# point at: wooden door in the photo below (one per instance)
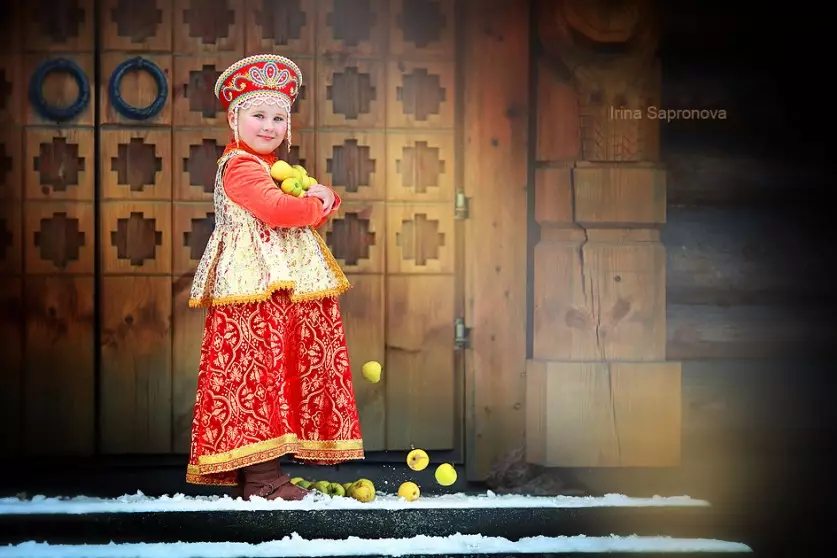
(107, 213)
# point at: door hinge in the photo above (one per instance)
(461, 334)
(461, 205)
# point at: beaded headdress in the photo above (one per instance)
(256, 80)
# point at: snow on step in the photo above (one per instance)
(294, 546)
(132, 503)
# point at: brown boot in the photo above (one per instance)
(267, 481)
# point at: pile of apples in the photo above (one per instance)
(362, 490)
(292, 179)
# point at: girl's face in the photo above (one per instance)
(262, 127)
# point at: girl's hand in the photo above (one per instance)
(324, 194)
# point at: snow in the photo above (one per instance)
(294, 546)
(133, 503)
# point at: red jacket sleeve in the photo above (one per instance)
(247, 184)
(334, 208)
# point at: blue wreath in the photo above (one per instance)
(119, 104)
(36, 86)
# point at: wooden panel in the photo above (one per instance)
(420, 358)
(285, 28)
(59, 163)
(351, 27)
(421, 167)
(193, 225)
(60, 238)
(11, 238)
(420, 239)
(209, 27)
(554, 192)
(422, 29)
(136, 238)
(187, 334)
(12, 27)
(11, 162)
(136, 26)
(138, 89)
(630, 412)
(351, 94)
(136, 164)
(749, 332)
(58, 26)
(195, 162)
(11, 355)
(303, 113)
(362, 308)
(304, 152)
(420, 94)
(193, 92)
(495, 174)
(12, 80)
(60, 88)
(559, 122)
(356, 236)
(59, 359)
(353, 163)
(619, 195)
(136, 378)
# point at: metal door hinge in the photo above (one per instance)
(461, 334)
(461, 205)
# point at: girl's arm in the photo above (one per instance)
(247, 184)
(332, 211)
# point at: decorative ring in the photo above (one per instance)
(119, 104)
(36, 94)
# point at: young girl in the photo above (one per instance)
(274, 374)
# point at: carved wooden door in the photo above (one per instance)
(106, 211)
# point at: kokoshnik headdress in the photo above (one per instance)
(263, 79)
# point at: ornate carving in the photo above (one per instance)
(136, 164)
(421, 95)
(352, 21)
(59, 19)
(420, 239)
(200, 91)
(349, 238)
(202, 164)
(136, 238)
(197, 238)
(420, 167)
(350, 165)
(282, 20)
(5, 90)
(293, 157)
(606, 48)
(6, 238)
(137, 21)
(59, 240)
(422, 22)
(58, 165)
(209, 20)
(352, 93)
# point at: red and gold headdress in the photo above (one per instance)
(261, 79)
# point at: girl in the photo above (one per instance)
(274, 374)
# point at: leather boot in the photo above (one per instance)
(267, 481)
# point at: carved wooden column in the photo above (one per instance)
(599, 389)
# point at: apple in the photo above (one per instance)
(336, 489)
(363, 490)
(417, 460)
(296, 480)
(445, 474)
(372, 371)
(321, 486)
(281, 170)
(409, 491)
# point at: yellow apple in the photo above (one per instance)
(409, 491)
(308, 181)
(417, 460)
(289, 185)
(445, 474)
(347, 488)
(363, 491)
(296, 480)
(301, 172)
(281, 170)
(372, 371)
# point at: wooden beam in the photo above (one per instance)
(496, 67)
